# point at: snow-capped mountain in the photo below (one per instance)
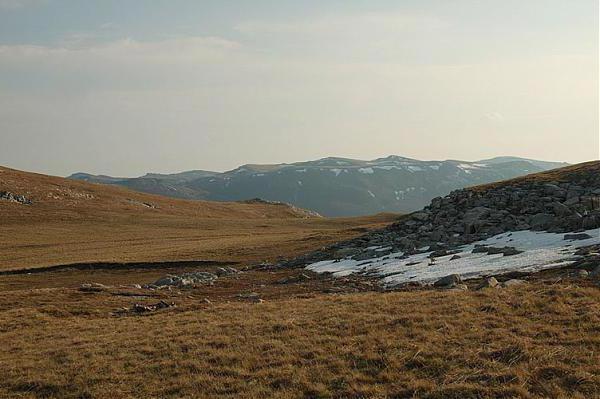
(335, 186)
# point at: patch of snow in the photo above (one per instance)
(367, 171)
(465, 167)
(301, 170)
(434, 167)
(541, 251)
(371, 193)
(299, 183)
(337, 171)
(413, 168)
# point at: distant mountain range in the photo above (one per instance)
(334, 186)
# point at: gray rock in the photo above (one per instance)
(541, 221)
(164, 281)
(421, 216)
(489, 282)
(577, 236)
(582, 273)
(21, 199)
(513, 282)
(448, 281)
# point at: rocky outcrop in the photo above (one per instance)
(192, 279)
(21, 199)
(561, 201)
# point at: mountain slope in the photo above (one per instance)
(539, 221)
(339, 186)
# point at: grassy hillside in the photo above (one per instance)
(71, 221)
(536, 341)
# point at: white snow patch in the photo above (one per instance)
(336, 171)
(367, 171)
(299, 182)
(371, 193)
(467, 168)
(413, 168)
(434, 167)
(541, 251)
(301, 170)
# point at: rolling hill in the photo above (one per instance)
(50, 220)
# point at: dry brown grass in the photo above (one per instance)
(73, 221)
(539, 340)
(531, 341)
(560, 174)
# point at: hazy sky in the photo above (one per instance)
(123, 87)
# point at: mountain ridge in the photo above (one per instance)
(334, 186)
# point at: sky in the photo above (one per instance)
(124, 87)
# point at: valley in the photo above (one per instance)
(147, 296)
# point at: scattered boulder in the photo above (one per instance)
(480, 249)
(510, 251)
(541, 221)
(251, 296)
(421, 216)
(582, 273)
(577, 236)
(448, 281)
(93, 287)
(513, 282)
(294, 279)
(140, 308)
(20, 199)
(225, 271)
(489, 282)
(186, 280)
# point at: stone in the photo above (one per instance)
(489, 282)
(140, 308)
(480, 249)
(163, 281)
(345, 252)
(93, 287)
(510, 251)
(577, 236)
(571, 201)
(582, 273)
(224, 271)
(561, 209)
(21, 199)
(513, 282)
(421, 216)
(455, 257)
(448, 281)
(541, 221)
(252, 297)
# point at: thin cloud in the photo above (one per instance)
(15, 4)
